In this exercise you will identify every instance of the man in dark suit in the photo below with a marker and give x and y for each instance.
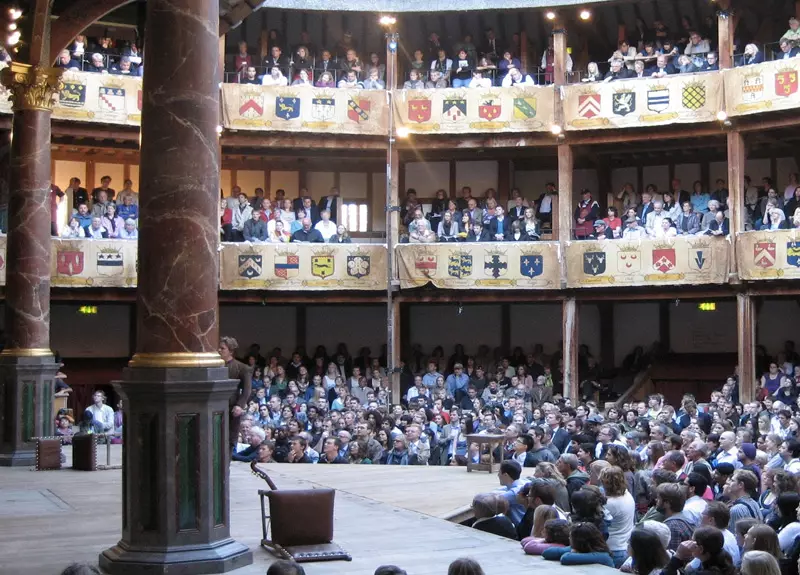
(560, 435)
(311, 210)
(645, 208)
(79, 195)
(788, 50)
(327, 65)
(618, 71)
(331, 203)
(277, 58)
(499, 226)
(297, 203)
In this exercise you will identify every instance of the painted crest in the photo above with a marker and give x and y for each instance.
(251, 104)
(425, 264)
(785, 83)
(658, 99)
(524, 108)
(323, 109)
(250, 265)
(287, 266)
(69, 263)
(454, 109)
(111, 99)
(764, 254)
(358, 266)
(589, 106)
(287, 108)
(358, 110)
(700, 258)
(693, 96)
(531, 265)
(629, 261)
(495, 265)
(459, 265)
(793, 254)
(419, 110)
(623, 103)
(322, 266)
(490, 109)
(752, 88)
(664, 259)
(594, 263)
(109, 262)
(72, 95)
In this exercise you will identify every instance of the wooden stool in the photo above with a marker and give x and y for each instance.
(482, 440)
(84, 452)
(48, 453)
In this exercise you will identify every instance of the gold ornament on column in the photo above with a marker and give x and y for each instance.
(32, 87)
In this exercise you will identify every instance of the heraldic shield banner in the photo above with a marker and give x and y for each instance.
(303, 266)
(643, 102)
(768, 255)
(304, 109)
(99, 98)
(675, 261)
(93, 263)
(533, 265)
(762, 87)
(458, 111)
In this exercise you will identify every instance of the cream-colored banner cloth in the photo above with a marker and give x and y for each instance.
(304, 109)
(680, 98)
(303, 266)
(472, 110)
(93, 263)
(762, 87)
(768, 255)
(501, 265)
(674, 261)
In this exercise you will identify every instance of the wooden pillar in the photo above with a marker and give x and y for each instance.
(746, 323)
(452, 192)
(622, 33)
(263, 46)
(736, 190)
(559, 68)
(222, 58)
(725, 26)
(571, 343)
(394, 349)
(565, 167)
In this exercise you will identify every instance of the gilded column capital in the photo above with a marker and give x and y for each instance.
(31, 87)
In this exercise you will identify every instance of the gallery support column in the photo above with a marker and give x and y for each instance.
(176, 390)
(746, 323)
(27, 366)
(570, 349)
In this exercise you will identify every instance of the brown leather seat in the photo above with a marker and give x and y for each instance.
(301, 517)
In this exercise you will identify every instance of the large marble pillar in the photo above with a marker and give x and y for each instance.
(175, 490)
(27, 366)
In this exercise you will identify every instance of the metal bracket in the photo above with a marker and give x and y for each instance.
(392, 208)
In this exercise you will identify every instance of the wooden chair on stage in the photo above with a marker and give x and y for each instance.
(301, 521)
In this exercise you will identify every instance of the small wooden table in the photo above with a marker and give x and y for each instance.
(491, 441)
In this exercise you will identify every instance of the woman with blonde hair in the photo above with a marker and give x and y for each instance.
(759, 563)
(541, 515)
(548, 470)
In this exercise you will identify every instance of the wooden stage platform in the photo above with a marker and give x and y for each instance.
(384, 515)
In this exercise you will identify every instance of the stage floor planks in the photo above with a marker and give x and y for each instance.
(384, 515)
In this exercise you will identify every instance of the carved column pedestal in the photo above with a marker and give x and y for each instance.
(175, 516)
